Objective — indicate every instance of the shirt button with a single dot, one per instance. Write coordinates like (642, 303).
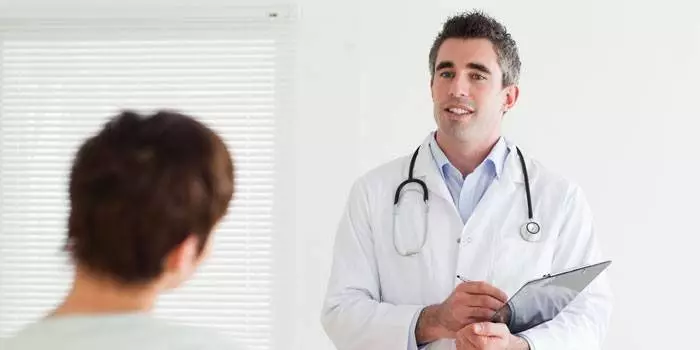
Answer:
(459, 240)
(469, 239)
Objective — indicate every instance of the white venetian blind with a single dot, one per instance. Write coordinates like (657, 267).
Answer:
(58, 85)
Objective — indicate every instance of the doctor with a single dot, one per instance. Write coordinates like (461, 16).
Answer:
(468, 203)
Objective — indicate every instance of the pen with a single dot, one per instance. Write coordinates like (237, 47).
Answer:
(462, 278)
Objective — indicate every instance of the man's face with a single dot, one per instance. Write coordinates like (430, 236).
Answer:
(468, 96)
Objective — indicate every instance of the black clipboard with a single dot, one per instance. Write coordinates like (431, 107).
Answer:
(542, 299)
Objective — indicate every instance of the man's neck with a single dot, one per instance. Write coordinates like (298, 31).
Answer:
(466, 156)
(96, 295)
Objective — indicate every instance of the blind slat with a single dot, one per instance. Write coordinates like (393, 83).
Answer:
(55, 93)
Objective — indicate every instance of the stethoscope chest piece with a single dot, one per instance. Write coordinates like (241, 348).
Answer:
(531, 231)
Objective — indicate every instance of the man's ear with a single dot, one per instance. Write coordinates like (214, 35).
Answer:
(512, 93)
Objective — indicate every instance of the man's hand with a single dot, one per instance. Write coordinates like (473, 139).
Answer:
(489, 336)
(470, 302)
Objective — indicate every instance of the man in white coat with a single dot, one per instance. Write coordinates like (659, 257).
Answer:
(394, 281)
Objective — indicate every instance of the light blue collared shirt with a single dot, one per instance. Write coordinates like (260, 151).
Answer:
(467, 191)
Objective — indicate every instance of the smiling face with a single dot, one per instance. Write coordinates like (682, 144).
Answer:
(469, 98)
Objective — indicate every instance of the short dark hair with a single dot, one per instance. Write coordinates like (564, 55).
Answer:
(477, 25)
(140, 187)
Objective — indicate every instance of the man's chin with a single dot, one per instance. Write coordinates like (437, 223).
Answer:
(458, 132)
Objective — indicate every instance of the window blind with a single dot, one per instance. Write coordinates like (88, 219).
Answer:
(60, 83)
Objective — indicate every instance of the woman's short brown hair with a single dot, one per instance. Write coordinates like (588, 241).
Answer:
(140, 187)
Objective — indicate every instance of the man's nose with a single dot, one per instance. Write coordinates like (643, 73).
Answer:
(459, 87)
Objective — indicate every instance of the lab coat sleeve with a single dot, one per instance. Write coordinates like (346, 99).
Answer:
(582, 324)
(353, 315)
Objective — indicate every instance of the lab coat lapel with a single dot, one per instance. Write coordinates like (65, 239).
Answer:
(427, 170)
(443, 228)
(487, 221)
(501, 189)
(512, 170)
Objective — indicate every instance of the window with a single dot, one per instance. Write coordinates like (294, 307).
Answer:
(59, 83)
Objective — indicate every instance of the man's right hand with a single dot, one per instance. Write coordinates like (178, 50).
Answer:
(470, 302)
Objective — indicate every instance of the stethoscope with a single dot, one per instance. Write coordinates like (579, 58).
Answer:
(529, 231)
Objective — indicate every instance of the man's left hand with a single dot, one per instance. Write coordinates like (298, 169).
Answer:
(489, 336)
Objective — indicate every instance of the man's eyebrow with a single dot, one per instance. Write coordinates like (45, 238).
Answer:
(473, 65)
(478, 66)
(444, 64)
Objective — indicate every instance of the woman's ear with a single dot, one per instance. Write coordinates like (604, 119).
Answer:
(183, 254)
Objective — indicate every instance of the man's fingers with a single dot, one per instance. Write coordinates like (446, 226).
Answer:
(485, 301)
(470, 340)
(483, 288)
(489, 329)
(483, 335)
(478, 300)
(471, 314)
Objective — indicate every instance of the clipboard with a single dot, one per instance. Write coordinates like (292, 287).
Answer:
(542, 299)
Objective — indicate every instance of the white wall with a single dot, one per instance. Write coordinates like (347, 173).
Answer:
(608, 99)
(608, 96)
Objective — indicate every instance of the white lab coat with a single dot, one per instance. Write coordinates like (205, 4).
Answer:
(374, 294)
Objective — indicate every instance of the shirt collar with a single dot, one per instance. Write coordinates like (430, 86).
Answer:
(496, 159)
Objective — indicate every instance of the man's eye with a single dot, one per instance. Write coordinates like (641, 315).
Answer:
(477, 76)
(447, 74)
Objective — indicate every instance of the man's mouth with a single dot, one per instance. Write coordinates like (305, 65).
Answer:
(459, 110)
